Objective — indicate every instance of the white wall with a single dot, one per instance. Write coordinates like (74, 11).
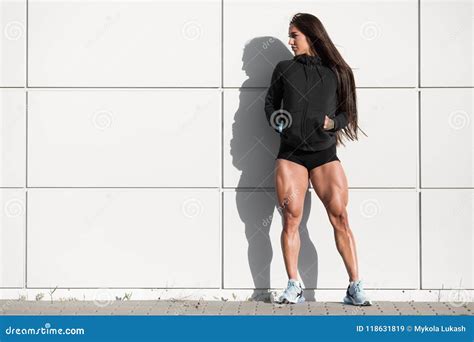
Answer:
(135, 153)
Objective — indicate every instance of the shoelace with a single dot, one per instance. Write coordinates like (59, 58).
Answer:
(357, 288)
(292, 288)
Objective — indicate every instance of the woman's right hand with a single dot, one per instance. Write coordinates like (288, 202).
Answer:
(328, 123)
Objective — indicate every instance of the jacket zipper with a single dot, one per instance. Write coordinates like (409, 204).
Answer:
(303, 123)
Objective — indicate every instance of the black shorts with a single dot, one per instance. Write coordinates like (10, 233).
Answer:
(308, 159)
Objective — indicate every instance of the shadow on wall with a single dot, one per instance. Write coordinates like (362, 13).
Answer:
(253, 147)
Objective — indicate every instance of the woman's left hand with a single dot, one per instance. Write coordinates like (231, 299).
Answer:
(328, 123)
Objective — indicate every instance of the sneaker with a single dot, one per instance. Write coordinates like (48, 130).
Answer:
(355, 294)
(293, 293)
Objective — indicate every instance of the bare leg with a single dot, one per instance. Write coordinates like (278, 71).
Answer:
(291, 181)
(330, 184)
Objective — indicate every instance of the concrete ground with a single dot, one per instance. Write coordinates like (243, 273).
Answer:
(201, 307)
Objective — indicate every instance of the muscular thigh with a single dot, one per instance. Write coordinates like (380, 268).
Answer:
(291, 182)
(330, 183)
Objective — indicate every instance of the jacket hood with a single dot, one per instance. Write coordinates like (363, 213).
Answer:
(311, 62)
(308, 60)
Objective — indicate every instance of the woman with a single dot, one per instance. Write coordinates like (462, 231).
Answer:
(319, 105)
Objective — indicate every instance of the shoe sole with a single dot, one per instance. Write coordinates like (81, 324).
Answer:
(349, 300)
(286, 301)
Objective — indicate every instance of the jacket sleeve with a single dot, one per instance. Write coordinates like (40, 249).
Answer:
(340, 121)
(274, 94)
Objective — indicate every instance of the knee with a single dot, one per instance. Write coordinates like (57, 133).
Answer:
(338, 214)
(292, 218)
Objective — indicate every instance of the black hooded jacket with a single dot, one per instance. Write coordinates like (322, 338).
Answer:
(308, 89)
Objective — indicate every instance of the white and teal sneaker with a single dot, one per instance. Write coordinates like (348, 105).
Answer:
(293, 294)
(355, 294)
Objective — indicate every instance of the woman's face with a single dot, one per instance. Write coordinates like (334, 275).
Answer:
(299, 44)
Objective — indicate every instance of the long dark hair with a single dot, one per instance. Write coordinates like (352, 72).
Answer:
(321, 45)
